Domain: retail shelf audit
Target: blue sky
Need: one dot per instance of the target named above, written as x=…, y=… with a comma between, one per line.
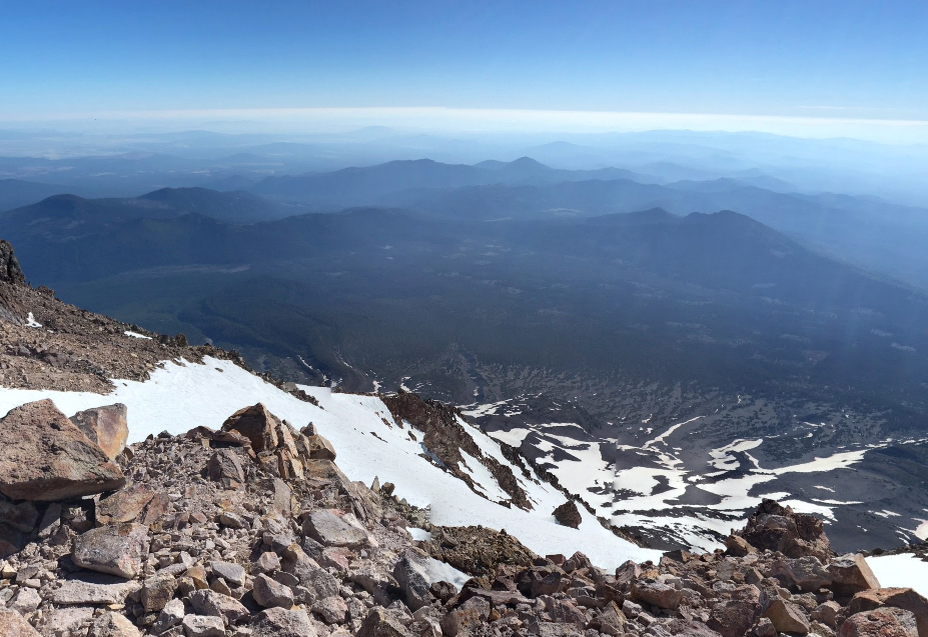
x=805, y=59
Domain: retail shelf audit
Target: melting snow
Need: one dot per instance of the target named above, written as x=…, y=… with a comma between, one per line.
x=31, y=322
x=136, y=335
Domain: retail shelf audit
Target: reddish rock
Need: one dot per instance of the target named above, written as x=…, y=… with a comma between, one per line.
x=106, y=426
x=851, y=574
x=777, y=528
x=904, y=598
x=257, y=424
x=125, y=505
x=12, y=624
x=46, y=457
x=787, y=618
x=882, y=622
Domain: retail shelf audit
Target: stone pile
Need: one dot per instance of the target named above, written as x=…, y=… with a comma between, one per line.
x=253, y=530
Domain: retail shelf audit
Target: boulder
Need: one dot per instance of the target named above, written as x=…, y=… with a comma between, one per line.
x=106, y=426
x=271, y=594
x=65, y=621
x=124, y=505
x=737, y=546
x=330, y=530
x=904, y=598
x=230, y=572
x=157, y=591
x=225, y=468
x=257, y=424
x=851, y=574
x=777, y=528
x=882, y=622
x=12, y=624
x=46, y=457
x=807, y=573
x=171, y=615
x=207, y=602
x=315, y=446
x=380, y=623
x=203, y=626
x=117, y=549
x=94, y=588
x=787, y=618
x=332, y=609
x=733, y=618
x=412, y=574
x=22, y=516
x=113, y=625
x=568, y=515
x=279, y=622
x=657, y=594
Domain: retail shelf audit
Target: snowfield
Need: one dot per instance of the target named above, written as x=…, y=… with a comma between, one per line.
x=904, y=570
x=181, y=396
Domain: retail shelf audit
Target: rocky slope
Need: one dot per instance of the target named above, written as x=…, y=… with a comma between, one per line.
x=249, y=526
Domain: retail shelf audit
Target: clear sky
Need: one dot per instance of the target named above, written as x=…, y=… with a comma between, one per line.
x=811, y=58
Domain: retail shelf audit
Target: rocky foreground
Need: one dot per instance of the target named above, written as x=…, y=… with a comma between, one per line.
x=254, y=530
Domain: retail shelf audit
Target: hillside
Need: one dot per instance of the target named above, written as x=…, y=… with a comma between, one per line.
x=383, y=515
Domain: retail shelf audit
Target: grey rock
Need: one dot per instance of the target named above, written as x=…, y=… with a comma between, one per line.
x=271, y=594
x=171, y=615
x=412, y=574
x=113, y=625
x=118, y=550
x=213, y=604
x=94, y=588
x=330, y=530
x=279, y=622
x=230, y=572
x=203, y=626
x=12, y=624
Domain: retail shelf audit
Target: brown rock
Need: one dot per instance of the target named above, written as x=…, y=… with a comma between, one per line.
x=46, y=457
x=568, y=515
x=657, y=594
x=904, y=598
x=737, y=546
x=12, y=624
x=787, y=618
x=734, y=618
x=225, y=467
x=777, y=528
x=315, y=446
x=112, y=625
x=279, y=622
x=882, y=622
x=125, y=505
x=257, y=424
x=106, y=426
x=851, y=574
x=827, y=613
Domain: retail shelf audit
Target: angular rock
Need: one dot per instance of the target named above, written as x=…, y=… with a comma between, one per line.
x=171, y=615
x=777, y=528
x=807, y=573
x=12, y=624
x=271, y=594
x=26, y=600
x=94, y=588
x=851, y=574
x=787, y=618
x=230, y=572
x=46, y=457
x=65, y=621
x=257, y=424
x=657, y=594
x=568, y=514
x=733, y=618
x=332, y=609
x=107, y=426
x=225, y=468
x=279, y=622
x=380, y=623
x=317, y=447
x=882, y=622
x=203, y=626
x=826, y=613
x=412, y=574
x=904, y=598
x=118, y=549
x=330, y=530
x=229, y=610
x=737, y=546
x=157, y=591
x=124, y=505
x=113, y=625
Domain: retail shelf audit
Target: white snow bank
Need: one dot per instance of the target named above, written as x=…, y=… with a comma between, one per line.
x=905, y=570
x=136, y=335
x=184, y=395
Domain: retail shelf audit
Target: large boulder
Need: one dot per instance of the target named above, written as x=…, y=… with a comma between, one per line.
x=46, y=457
x=124, y=505
x=106, y=426
x=117, y=549
x=412, y=574
x=904, y=598
x=777, y=528
x=329, y=529
x=851, y=574
x=257, y=424
x=882, y=622
x=568, y=515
